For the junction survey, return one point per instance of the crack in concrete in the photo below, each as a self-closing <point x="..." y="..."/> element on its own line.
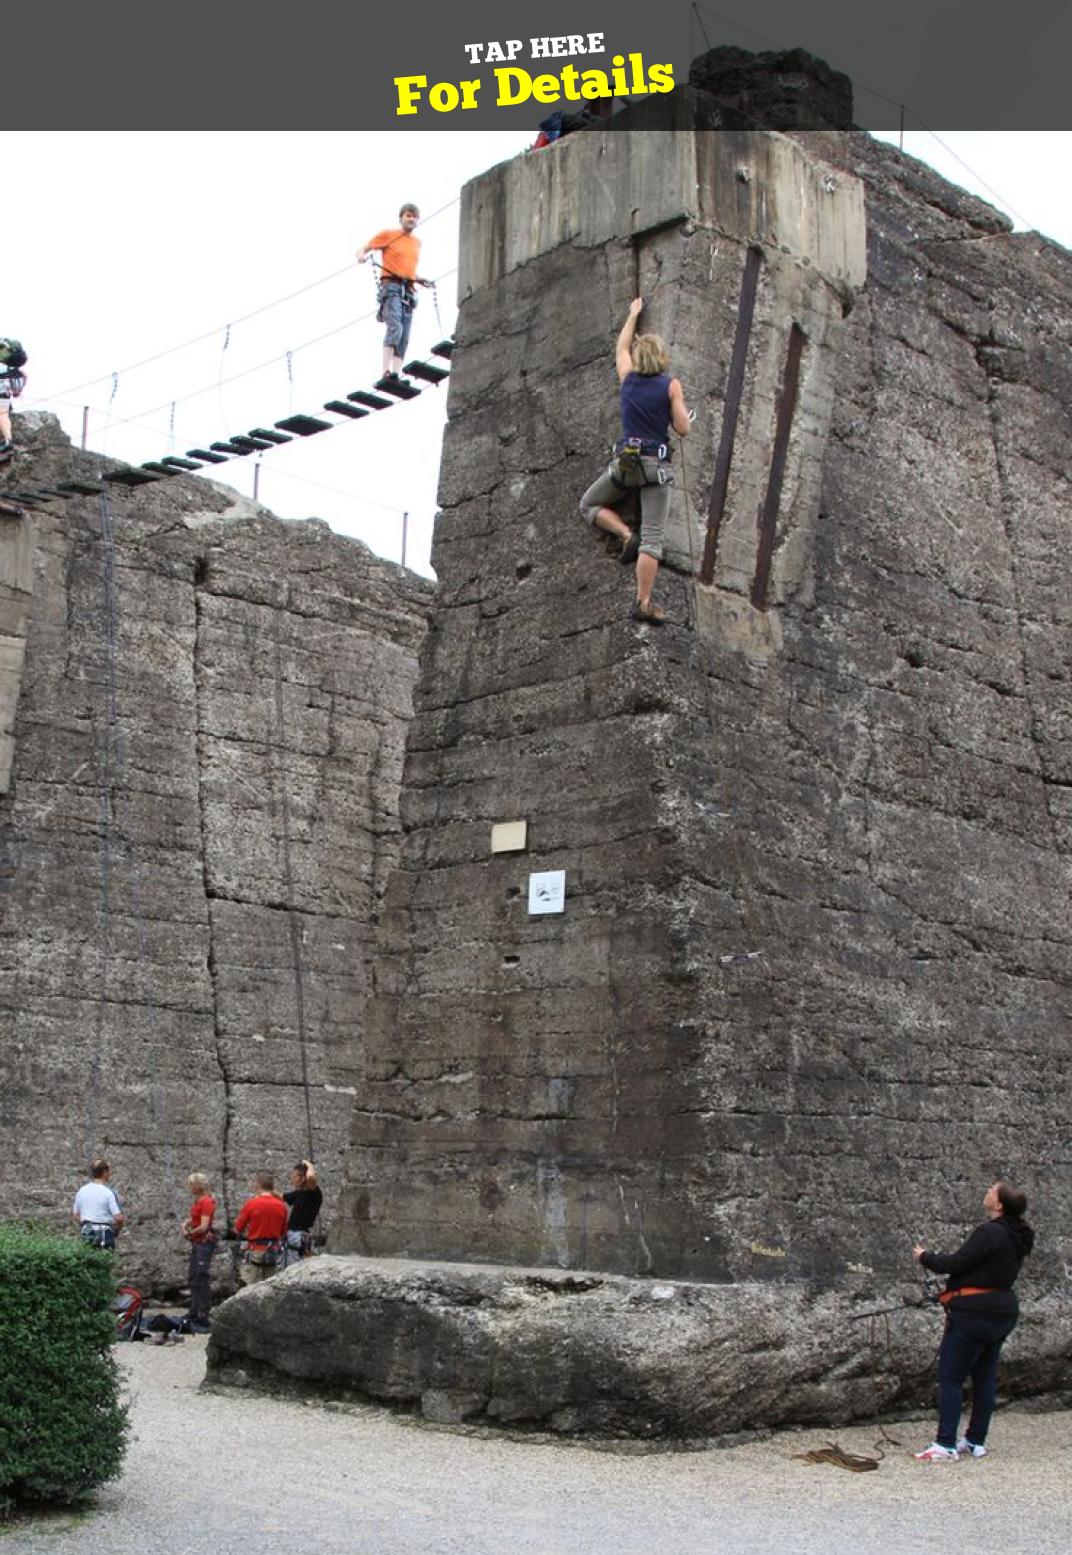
<point x="1035" y="721"/>
<point x="211" y="961"/>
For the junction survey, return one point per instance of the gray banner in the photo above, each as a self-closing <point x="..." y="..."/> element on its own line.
<point x="333" y="64"/>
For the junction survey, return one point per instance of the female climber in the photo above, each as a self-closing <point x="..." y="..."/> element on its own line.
<point x="651" y="403"/>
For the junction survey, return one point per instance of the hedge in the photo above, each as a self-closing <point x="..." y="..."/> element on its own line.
<point x="63" y="1425"/>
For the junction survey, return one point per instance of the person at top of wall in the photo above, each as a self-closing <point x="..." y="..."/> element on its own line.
<point x="399" y="254"/>
<point x="651" y="403"/>
<point x="12" y="383"/>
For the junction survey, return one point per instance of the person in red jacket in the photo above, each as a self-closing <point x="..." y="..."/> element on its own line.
<point x="261" y="1223"/>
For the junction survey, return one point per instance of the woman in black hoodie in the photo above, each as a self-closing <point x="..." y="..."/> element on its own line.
<point x="980" y="1313"/>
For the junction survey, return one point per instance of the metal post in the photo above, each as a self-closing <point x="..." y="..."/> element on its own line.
<point x="85" y="424"/>
<point x="256" y="479"/>
<point x="405" y="526"/>
<point x="902" y="126"/>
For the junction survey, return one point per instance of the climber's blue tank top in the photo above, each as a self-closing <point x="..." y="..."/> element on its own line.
<point x="646" y="407"/>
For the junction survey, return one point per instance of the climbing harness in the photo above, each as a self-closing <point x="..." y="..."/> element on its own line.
<point x="98" y="1233"/>
<point x="946" y="1296"/>
<point x="295" y="1246"/>
<point x="627" y="468"/>
<point x="262" y="1251"/>
<point x="394" y="284"/>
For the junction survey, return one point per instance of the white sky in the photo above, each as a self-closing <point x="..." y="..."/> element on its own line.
<point x="132" y="243"/>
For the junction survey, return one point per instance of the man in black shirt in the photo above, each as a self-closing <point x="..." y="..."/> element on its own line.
<point x="980" y="1313"/>
<point x="304" y="1201"/>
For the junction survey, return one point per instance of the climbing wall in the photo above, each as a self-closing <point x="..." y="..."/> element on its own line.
<point x="807" y="993"/>
<point x="201" y="817"/>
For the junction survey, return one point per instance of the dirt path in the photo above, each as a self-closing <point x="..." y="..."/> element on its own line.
<point x="211" y="1474"/>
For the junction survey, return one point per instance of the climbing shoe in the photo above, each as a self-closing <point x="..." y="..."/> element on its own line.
<point x="649" y="613"/>
<point x="629" y="549"/>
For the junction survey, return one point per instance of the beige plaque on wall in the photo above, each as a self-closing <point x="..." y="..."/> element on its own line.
<point x="509" y="837"/>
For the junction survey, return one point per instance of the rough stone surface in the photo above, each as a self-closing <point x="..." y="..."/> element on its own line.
<point x="16" y="597"/>
<point x="786" y="89"/>
<point x="809" y="994"/>
<point x="585" y="1353"/>
<point x="201" y="820"/>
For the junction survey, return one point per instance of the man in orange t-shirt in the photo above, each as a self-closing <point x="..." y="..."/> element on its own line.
<point x="262" y="1222"/>
<point x="399" y="251"/>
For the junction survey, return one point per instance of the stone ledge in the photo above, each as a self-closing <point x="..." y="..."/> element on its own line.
<point x="581" y="1353"/>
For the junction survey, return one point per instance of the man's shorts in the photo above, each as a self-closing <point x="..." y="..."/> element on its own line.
<point x="397" y="314"/>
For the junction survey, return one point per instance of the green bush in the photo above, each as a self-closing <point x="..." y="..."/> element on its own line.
<point x="63" y="1426"/>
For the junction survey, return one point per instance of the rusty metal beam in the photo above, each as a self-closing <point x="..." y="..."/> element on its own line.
<point x="768" y="515"/>
<point x="731" y="411"/>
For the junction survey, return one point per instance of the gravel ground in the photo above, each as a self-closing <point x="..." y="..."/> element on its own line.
<point x="208" y="1474"/>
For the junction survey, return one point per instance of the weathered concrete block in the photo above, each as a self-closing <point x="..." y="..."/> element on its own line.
<point x="586" y="1353"/>
<point x="203" y="813"/>
<point x="816" y="848"/>
<point x="601" y="187"/>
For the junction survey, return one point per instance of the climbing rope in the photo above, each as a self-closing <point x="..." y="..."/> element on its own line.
<point x="111" y="778"/>
<point x="435" y="304"/>
<point x="840" y="1458"/>
<point x="194" y="340"/>
<point x="108" y="599"/>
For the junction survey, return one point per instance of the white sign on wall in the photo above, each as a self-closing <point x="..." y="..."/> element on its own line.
<point x="547" y="891"/>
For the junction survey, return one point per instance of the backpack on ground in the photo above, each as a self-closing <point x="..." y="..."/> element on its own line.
<point x="128" y="1307"/>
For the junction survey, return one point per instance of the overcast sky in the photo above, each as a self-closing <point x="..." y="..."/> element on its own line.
<point x="129" y="244"/>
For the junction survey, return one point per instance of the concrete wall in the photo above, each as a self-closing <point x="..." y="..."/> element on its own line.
<point x="201" y="819"/>
<point x="809" y="994"/>
<point x="16" y="596"/>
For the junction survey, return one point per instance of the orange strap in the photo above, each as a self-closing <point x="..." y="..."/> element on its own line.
<point x="967" y="1290"/>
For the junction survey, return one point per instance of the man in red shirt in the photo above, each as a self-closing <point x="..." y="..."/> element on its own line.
<point x="399" y="251"/>
<point x="262" y="1222"/>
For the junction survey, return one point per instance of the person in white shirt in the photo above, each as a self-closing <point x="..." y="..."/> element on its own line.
<point x="96" y="1208"/>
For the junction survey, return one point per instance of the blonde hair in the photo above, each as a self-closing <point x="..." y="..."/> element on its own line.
<point x="650" y="355"/>
<point x="198" y="1182"/>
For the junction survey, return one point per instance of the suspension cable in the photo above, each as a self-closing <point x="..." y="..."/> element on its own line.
<point x="207" y="334"/>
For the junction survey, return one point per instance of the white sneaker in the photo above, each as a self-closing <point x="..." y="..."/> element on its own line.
<point x="936" y="1454"/>
<point x="966" y="1449"/>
